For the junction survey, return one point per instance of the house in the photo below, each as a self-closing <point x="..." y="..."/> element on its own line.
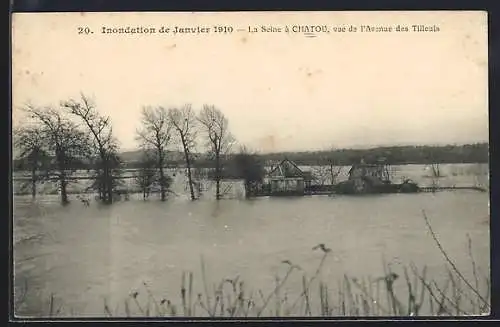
<point x="287" y="178"/>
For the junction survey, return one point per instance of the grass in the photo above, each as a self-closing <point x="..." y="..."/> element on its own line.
<point x="352" y="297"/>
<point x="407" y="292"/>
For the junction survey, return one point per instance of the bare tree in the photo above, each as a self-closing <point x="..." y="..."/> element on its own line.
<point x="32" y="144"/>
<point x="431" y="155"/>
<point x="219" y="139"/>
<point x="66" y="144"/>
<point x="184" y="124"/>
<point x="155" y="135"/>
<point x="110" y="171"/>
<point x="435" y="175"/>
<point x="105" y="146"/>
<point x="327" y="170"/>
<point x="145" y="175"/>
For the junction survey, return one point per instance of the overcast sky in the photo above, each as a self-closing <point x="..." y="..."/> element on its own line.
<point x="280" y="92"/>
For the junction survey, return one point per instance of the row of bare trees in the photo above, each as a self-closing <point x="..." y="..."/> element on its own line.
<point x="161" y="127"/>
<point x="55" y="141"/>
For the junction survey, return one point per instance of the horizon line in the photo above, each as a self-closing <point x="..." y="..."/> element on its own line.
<point x="352" y="147"/>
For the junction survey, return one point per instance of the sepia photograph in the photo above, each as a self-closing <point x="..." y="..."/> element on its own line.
<point x="250" y="164"/>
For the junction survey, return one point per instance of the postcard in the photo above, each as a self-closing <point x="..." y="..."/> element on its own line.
<point x="250" y="164"/>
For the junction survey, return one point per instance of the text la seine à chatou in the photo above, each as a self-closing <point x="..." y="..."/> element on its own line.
<point x="350" y="28"/>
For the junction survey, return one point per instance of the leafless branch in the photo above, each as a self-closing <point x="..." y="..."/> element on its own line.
<point x="184" y="123"/>
<point x="155" y="134"/>
<point x="220" y="140"/>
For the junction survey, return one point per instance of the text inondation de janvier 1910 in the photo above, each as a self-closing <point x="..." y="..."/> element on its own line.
<point x="268" y="29"/>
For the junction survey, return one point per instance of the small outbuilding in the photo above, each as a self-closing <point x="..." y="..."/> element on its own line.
<point x="287" y="178"/>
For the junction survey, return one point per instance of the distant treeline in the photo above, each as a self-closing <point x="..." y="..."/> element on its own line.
<point x="396" y="155"/>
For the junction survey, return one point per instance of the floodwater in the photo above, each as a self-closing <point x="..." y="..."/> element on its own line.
<point x="79" y="256"/>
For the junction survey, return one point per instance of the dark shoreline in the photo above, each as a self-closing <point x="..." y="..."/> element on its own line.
<point x="477" y="153"/>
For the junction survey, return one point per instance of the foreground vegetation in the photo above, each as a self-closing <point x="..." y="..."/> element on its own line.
<point x="407" y="291"/>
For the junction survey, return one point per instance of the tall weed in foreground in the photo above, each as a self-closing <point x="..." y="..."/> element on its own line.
<point x="407" y="292"/>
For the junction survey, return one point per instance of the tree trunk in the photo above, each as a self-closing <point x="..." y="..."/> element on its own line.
<point x="64" y="193"/>
<point x="332" y="175"/>
<point x="217" y="176"/>
<point x="190" y="180"/>
<point x="162" y="176"/>
<point x="248" y="189"/>
<point x="110" y="188"/>
<point x="217" y="186"/>
<point x="100" y="186"/>
<point x="101" y="191"/>
<point x="33" y="182"/>
<point x="105" y="177"/>
<point x="188" y="165"/>
<point x="110" y="185"/>
<point x="108" y="181"/>
<point x="162" y="184"/>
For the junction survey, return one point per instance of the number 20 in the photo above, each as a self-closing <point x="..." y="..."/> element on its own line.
<point x="83" y="30"/>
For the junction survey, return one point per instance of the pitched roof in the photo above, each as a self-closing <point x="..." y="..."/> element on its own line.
<point x="286" y="168"/>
